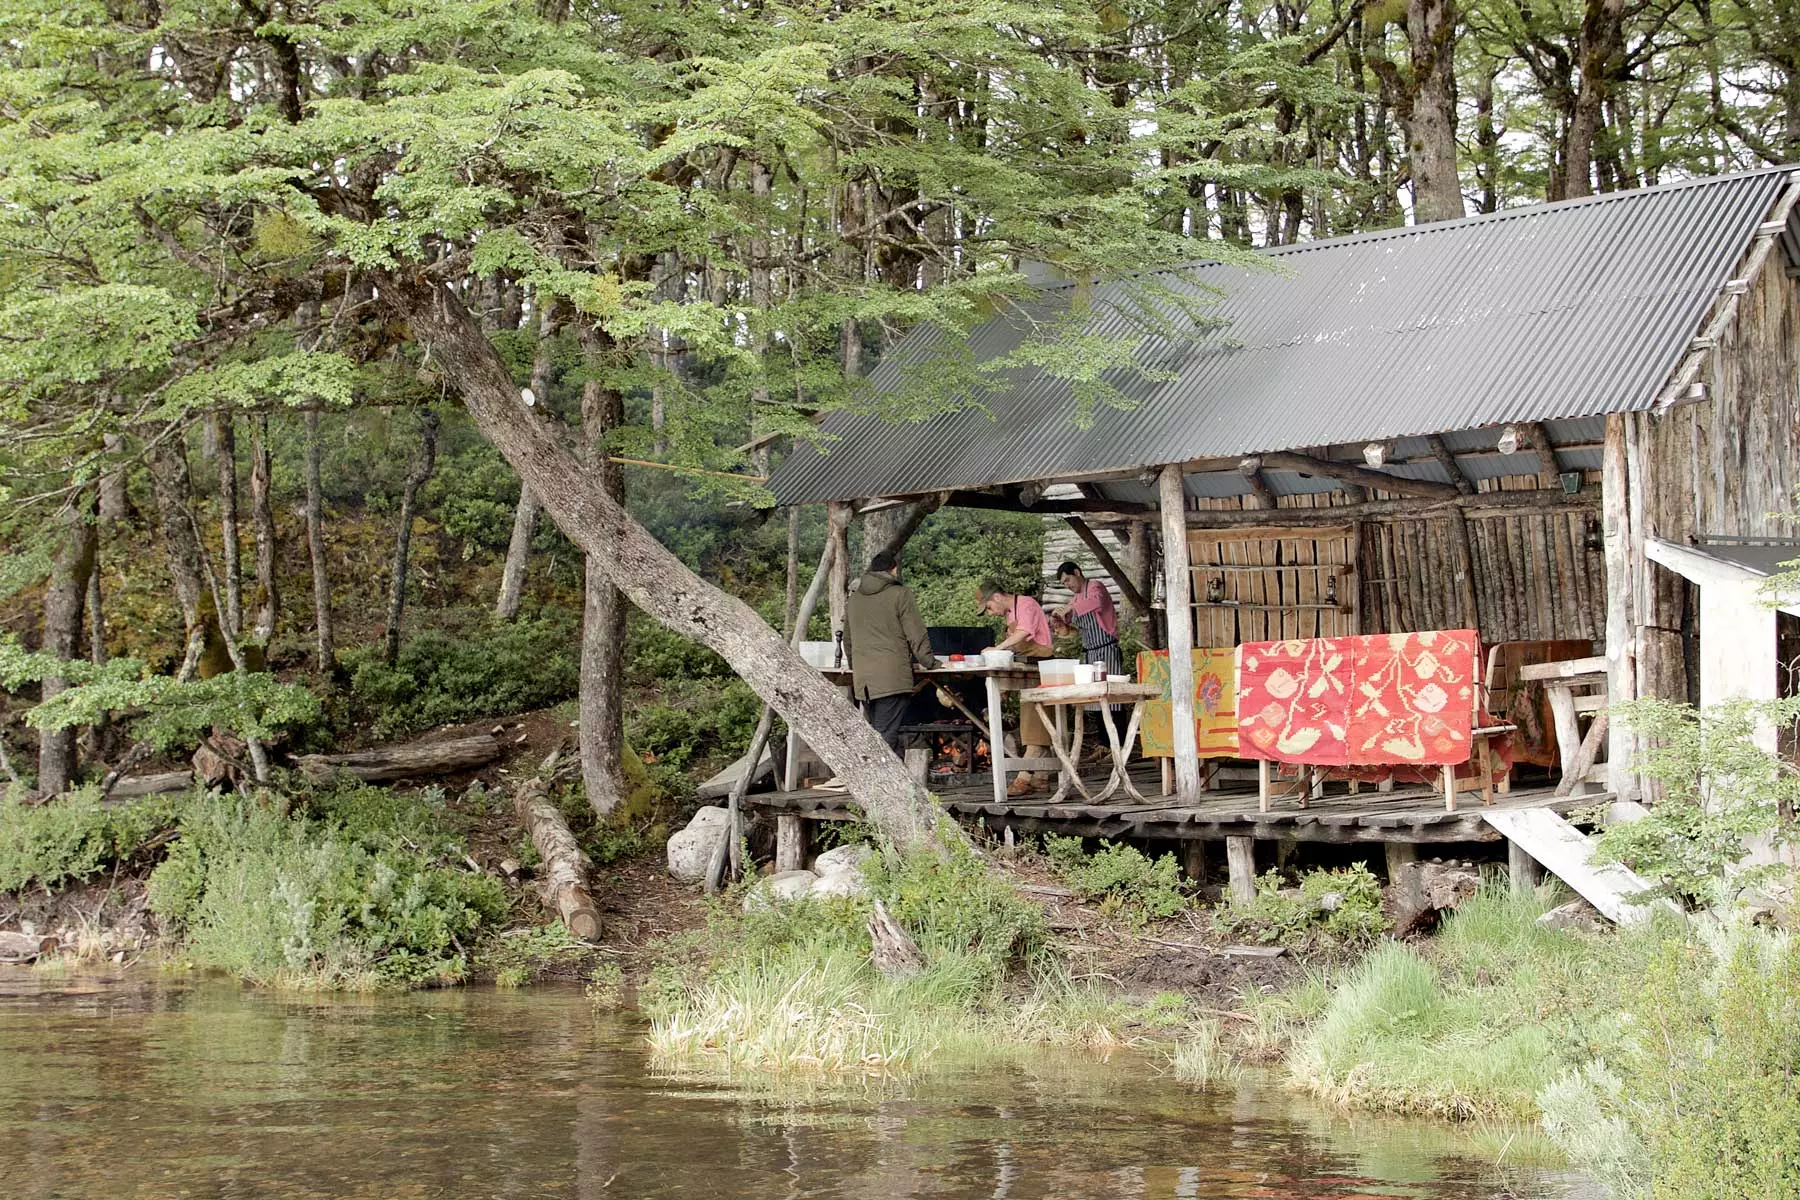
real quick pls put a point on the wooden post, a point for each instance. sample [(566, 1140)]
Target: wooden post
[(1463, 567), (1621, 644), (1521, 868), (790, 842), (1177, 586), (1193, 860), (918, 764), (996, 737), (838, 513), (1240, 861), (1399, 854)]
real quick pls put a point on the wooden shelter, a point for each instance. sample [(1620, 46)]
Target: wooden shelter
[(1474, 424)]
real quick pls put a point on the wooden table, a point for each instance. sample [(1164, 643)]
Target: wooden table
[(997, 681), (1059, 700), (1561, 680)]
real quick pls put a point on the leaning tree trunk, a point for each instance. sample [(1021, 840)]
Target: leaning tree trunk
[(64, 600), (901, 812), (262, 517), (603, 612), (525, 513), (170, 484), (409, 506), (315, 546)]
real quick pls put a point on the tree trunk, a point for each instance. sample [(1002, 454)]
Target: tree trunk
[(525, 513), (1431, 127), (655, 580), (1602, 47), (603, 610), (225, 454), (115, 501), (170, 484), (315, 546), (64, 600), (262, 517), (409, 506)]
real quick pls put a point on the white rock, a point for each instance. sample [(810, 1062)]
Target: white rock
[(1577, 916), (842, 858), (690, 849), (838, 884), (782, 888)]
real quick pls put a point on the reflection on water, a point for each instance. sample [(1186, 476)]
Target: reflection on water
[(139, 1089)]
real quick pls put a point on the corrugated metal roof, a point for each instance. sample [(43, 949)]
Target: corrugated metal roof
[(1561, 310)]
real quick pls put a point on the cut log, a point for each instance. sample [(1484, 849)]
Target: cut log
[(385, 763), (563, 878)]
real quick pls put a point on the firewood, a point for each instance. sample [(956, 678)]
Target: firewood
[(563, 880)]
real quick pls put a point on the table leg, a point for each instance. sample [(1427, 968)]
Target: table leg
[(1449, 788), (790, 777), (1262, 785), (1568, 733), (1121, 752), (996, 739), (1070, 775), (1484, 762)]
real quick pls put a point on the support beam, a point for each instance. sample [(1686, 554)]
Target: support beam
[(1251, 470), (837, 536), (1463, 567), (1362, 477), (1529, 502), (1120, 575), (1240, 863), (1621, 639), (1177, 592), (1448, 461), (1549, 470), (1522, 870)]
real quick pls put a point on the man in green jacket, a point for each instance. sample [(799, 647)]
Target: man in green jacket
[(884, 637)]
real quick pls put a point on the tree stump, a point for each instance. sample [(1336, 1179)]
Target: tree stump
[(895, 954)]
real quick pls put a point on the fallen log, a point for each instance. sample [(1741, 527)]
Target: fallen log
[(133, 786), (386, 763), (24, 947), (563, 878)]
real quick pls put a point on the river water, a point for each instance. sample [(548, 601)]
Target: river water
[(154, 1088)]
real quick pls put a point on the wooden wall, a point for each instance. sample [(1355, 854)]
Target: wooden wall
[(1536, 576), (1726, 466)]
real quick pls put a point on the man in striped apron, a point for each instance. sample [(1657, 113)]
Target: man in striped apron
[(1090, 612)]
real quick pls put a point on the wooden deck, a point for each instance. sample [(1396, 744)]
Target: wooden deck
[(1414, 815)]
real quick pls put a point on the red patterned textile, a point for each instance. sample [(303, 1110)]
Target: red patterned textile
[(1373, 700), (1413, 696), (1294, 701)]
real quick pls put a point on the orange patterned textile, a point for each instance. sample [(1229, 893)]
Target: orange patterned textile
[(1414, 696), (1294, 700), (1215, 704), (1375, 699)]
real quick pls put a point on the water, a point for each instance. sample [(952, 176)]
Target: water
[(133, 1088)]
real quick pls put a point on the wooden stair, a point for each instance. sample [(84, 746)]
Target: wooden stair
[(1565, 852)]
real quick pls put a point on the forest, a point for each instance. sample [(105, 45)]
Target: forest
[(372, 368)]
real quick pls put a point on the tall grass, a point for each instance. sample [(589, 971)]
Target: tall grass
[(1470, 1033)]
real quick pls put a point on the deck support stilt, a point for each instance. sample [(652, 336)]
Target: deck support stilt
[(1240, 861), (790, 842), (1521, 868), (1193, 860), (1399, 854)]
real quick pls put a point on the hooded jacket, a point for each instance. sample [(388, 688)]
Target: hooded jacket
[(884, 637)]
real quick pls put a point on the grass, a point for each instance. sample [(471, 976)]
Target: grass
[(1204, 1059)]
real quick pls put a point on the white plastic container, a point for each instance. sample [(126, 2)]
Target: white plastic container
[(996, 658), (818, 654), (1057, 672)]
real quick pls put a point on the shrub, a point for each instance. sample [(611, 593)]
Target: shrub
[(444, 676), (308, 901), (1341, 907), (693, 722), (1122, 878), (73, 838)]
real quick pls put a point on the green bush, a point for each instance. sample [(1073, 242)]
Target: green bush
[(460, 674), (1122, 878), (317, 901), (1341, 907), (694, 722), (73, 838)]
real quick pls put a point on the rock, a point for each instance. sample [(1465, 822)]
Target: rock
[(209, 766), (1577, 916), (1330, 902), (783, 887), (838, 884), (690, 849), (842, 858)]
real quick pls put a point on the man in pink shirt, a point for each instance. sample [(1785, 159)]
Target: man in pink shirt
[(1090, 612), (1028, 637)]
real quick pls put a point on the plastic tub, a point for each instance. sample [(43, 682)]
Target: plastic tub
[(1057, 672), (996, 658)]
